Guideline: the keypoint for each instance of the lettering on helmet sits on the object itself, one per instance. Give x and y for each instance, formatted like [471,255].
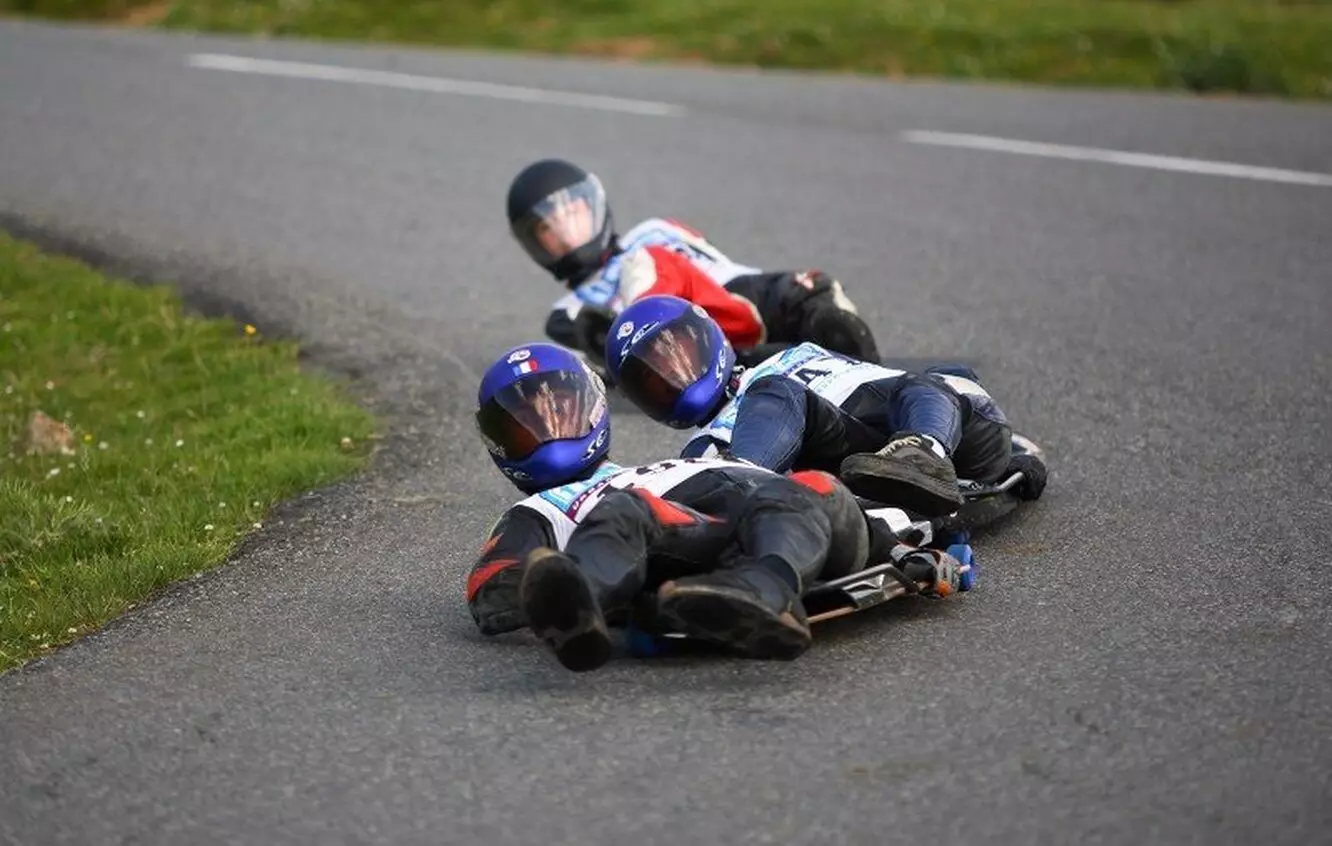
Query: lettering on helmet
[519,355]
[596,445]
[698,309]
[626,329]
[638,336]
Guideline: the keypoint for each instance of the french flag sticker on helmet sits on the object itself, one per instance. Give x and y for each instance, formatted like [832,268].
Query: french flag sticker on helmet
[524,361]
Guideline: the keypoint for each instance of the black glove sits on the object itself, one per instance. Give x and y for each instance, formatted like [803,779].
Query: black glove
[1033,476]
[591,326]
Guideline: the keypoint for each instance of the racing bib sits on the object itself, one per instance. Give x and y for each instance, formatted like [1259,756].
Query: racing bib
[566,506]
[828,374]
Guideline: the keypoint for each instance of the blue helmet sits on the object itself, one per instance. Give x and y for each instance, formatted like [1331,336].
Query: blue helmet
[671,359]
[542,413]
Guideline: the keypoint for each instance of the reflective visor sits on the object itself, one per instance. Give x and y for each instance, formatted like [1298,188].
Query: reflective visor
[658,372]
[536,410]
[563,221]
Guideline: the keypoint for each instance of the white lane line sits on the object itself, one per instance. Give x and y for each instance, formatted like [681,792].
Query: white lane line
[434,84]
[1119,157]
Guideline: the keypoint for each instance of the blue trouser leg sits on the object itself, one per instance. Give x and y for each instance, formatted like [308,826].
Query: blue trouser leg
[928,410]
[770,426]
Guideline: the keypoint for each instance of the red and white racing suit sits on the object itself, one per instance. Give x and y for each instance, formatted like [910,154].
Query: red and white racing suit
[664,256]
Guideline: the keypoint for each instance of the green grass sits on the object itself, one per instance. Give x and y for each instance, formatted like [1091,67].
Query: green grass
[184,432]
[1272,47]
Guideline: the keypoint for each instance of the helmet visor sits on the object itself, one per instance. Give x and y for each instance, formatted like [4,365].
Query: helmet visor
[537,409]
[658,372]
[561,222]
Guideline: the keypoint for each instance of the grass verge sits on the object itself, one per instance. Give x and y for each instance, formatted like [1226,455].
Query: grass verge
[140,444]
[1270,47]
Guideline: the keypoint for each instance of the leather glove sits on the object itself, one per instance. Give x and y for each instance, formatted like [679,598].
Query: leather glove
[592,325]
[1033,476]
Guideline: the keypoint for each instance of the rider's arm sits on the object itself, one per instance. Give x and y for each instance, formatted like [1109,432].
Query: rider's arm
[492,586]
[560,325]
[655,270]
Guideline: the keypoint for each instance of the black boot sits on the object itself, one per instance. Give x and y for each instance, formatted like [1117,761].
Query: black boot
[562,610]
[907,474]
[749,610]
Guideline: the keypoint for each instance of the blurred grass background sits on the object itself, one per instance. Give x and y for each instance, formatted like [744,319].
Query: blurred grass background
[1266,47]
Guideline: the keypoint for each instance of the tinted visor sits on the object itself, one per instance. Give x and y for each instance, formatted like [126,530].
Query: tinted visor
[536,410]
[563,221]
[658,372]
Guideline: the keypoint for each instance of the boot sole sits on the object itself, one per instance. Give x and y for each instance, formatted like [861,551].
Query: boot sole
[876,478]
[733,620]
[562,612]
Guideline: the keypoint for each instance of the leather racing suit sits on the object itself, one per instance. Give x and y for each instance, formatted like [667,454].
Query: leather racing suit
[633,528]
[760,312]
[808,408]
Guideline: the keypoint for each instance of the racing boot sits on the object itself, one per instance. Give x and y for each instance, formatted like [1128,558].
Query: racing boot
[563,611]
[750,610]
[913,472]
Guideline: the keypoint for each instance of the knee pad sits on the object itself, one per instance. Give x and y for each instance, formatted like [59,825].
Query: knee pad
[961,370]
[850,533]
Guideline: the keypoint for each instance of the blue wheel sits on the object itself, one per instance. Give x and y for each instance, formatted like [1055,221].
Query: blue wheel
[645,644]
[958,538]
[966,555]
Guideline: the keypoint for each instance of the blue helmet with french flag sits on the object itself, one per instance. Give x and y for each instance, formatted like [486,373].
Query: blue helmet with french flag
[543,415]
[671,359]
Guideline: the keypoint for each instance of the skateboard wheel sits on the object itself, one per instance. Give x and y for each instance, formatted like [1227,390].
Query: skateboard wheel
[965,555]
[645,644]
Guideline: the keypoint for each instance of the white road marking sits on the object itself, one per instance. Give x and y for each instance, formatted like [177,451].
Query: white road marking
[433,84]
[1119,157]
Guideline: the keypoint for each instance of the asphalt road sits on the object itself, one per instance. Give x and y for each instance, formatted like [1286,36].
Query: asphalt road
[1145,659]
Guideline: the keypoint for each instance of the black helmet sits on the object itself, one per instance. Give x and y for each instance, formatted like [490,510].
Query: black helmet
[559,213]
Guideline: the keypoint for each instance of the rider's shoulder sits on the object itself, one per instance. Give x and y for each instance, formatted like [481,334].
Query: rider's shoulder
[657,227]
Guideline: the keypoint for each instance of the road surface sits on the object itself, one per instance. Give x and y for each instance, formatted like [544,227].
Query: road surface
[1148,291]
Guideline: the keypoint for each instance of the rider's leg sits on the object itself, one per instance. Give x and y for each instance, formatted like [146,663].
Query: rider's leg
[783,537]
[807,306]
[914,471]
[985,450]
[567,596]
[853,531]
